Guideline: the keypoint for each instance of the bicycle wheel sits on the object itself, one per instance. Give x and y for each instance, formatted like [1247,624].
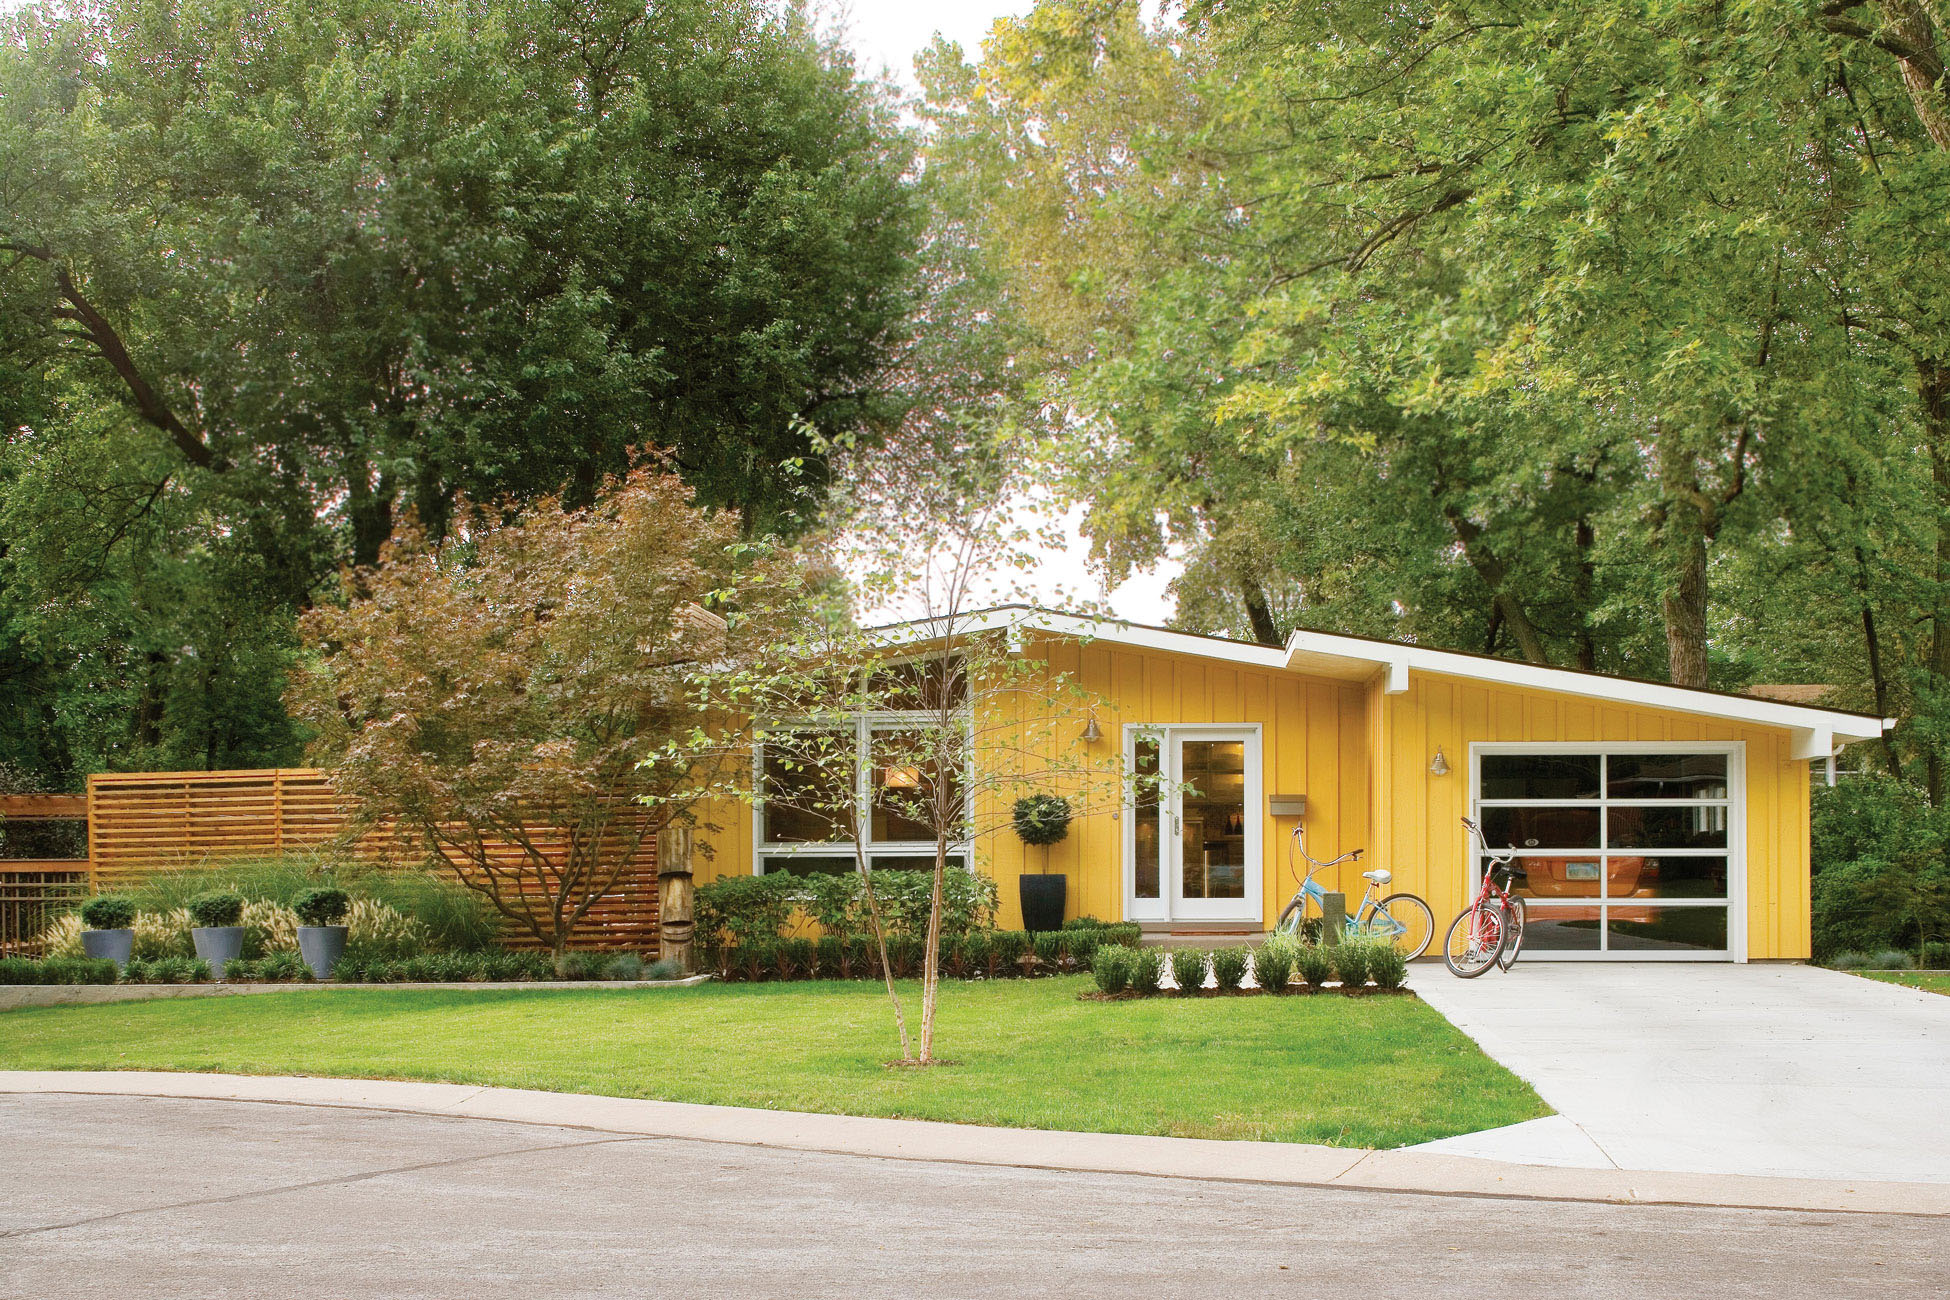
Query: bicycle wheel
[1474,942]
[1405,921]
[1513,933]
[1290,919]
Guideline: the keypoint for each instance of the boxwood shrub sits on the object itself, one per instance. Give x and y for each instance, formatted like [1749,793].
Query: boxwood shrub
[57,970]
[1113,968]
[1273,963]
[1188,968]
[108,912]
[1315,962]
[1229,966]
[217,907]
[1353,963]
[1150,965]
[1386,966]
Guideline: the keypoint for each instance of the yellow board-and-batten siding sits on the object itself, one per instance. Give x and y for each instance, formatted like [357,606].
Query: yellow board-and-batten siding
[1361,757]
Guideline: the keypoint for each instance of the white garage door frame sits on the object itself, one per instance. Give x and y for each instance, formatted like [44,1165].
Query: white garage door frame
[1736,851]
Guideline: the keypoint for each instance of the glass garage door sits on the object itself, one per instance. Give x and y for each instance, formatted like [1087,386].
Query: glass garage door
[1626,854]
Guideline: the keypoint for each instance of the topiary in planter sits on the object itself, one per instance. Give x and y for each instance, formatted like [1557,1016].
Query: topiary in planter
[217,908]
[108,912]
[1042,818]
[326,905]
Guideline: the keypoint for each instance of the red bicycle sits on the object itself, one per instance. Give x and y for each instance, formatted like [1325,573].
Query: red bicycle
[1489,932]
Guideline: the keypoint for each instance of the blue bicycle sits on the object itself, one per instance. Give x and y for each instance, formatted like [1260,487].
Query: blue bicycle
[1402,919]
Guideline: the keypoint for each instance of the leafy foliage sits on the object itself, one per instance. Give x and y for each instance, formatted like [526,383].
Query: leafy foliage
[217,907]
[108,912]
[348,261]
[1042,819]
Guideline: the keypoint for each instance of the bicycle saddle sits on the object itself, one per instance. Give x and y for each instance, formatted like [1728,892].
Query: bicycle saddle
[1379,875]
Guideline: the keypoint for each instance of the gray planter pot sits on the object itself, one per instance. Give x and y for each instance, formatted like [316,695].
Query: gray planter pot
[218,944]
[322,946]
[116,945]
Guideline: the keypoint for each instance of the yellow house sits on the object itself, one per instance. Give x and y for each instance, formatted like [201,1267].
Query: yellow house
[1650,821]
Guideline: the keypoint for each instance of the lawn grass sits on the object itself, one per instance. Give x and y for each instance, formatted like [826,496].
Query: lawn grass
[1377,1071]
[1928,981]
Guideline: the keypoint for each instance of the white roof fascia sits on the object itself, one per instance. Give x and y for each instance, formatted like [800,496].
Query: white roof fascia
[1015,619]
[1815,729]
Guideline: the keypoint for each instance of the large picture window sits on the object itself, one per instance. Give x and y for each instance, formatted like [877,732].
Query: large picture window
[874,770]
[1619,852]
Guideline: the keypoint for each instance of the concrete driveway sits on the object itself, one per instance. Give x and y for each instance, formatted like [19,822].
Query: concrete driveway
[136,1197]
[1788,1071]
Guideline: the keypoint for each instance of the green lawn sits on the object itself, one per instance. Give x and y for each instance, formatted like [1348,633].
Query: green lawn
[1376,1071]
[1932,983]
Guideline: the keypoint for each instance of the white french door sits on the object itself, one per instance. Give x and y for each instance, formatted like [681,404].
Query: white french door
[1192,824]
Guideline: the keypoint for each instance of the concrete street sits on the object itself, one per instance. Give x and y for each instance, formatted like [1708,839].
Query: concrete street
[135,1197]
[1776,1071]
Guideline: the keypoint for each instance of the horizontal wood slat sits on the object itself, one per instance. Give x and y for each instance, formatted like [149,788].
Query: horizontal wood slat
[42,807]
[143,822]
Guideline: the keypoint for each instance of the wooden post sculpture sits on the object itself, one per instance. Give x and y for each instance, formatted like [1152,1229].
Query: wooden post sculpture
[1333,916]
[676,914]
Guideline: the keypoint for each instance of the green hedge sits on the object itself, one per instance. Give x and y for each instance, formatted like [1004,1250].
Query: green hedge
[57,970]
[738,910]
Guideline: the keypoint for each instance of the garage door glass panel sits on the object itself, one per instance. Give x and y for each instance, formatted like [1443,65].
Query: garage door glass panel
[1666,776]
[1542,828]
[1540,776]
[1563,929]
[1553,878]
[1671,827]
[1667,929]
[1671,876]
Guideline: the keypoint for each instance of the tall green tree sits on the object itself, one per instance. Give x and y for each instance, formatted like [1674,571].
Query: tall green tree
[274,275]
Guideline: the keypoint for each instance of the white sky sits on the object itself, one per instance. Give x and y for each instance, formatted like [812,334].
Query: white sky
[886,35]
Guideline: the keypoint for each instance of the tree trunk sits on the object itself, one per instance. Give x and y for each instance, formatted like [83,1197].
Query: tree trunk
[1496,576]
[1685,521]
[880,944]
[1684,607]
[1933,387]
[1258,613]
[931,956]
[1583,588]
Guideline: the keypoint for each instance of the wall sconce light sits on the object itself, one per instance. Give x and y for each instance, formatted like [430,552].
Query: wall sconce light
[1438,766]
[1092,733]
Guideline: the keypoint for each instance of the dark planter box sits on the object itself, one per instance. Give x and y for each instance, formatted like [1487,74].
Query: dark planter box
[1042,901]
[116,945]
[218,944]
[322,946]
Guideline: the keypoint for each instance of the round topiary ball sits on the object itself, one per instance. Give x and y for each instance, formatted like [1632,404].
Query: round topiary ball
[108,912]
[1042,818]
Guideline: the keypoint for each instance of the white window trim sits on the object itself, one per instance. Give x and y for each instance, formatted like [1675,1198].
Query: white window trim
[864,725]
[1735,853]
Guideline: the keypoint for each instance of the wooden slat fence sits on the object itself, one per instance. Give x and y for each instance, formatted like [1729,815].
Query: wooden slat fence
[142,822]
[33,893]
